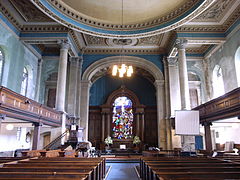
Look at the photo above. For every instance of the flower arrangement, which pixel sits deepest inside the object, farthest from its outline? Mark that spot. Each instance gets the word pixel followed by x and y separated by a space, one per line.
pixel 136 140
pixel 108 140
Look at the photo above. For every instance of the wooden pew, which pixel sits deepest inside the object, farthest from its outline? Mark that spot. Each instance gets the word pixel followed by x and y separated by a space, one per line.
pixel 97 165
pixel 171 168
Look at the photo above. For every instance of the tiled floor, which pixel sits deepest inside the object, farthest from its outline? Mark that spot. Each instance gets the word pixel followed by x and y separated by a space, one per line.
pixel 122 171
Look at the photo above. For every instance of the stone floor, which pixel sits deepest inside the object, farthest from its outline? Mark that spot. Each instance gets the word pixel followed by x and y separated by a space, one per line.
pixel 122 171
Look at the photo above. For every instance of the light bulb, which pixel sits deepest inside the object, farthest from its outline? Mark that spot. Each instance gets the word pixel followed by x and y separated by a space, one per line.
pixel 123 68
pixel 114 70
pixel 130 68
pixel 129 73
pixel 9 127
pixel 120 74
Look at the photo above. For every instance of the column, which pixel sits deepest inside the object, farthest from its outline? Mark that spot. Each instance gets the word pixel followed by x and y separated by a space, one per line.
pixel 38 80
pixel 2 117
pixel 159 84
pixel 62 77
pixel 84 107
pixel 143 126
pixel 109 124
pixel 208 138
pixel 36 136
pixel 175 99
pixel 137 125
pixel 73 82
pixel 188 142
pixel 103 126
pixel 78 96
pixel 183 76
pixel 167 105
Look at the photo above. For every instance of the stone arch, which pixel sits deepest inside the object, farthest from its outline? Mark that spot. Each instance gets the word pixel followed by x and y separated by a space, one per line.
pixel 99 65
pixel 110 61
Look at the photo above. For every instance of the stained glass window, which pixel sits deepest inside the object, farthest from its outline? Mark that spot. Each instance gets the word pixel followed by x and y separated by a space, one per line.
pixel 122 118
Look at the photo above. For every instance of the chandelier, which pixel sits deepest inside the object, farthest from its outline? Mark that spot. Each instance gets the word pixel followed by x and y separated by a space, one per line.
pixel 122 68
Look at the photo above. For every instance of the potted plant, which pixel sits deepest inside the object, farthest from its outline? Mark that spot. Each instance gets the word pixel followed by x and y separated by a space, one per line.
pixel 136 141
pixel 108 141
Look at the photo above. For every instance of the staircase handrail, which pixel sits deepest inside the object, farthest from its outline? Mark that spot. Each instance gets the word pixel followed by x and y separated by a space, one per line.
pixel 57 139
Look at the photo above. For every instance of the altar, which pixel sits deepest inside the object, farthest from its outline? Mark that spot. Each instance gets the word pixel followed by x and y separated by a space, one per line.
pixel 127 142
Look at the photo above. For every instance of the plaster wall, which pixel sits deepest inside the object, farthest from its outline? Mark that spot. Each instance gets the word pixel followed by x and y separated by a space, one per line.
pixel 16 57
pixel 224 57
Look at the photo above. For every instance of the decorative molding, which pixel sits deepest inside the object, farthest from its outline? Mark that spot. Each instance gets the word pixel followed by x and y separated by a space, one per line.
pixel 125 51
pixel 94 40
pixel 172 61
pixel 90 25
pixel 198 50
pixel 44 28
pixel 216 11
pixel 29 12
pixel 152 40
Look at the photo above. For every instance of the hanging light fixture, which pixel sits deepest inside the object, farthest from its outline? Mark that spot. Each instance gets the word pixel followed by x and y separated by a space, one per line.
pixel 122 68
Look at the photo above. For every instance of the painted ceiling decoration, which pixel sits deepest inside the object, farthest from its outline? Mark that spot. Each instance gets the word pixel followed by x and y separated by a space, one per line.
pixel 140 17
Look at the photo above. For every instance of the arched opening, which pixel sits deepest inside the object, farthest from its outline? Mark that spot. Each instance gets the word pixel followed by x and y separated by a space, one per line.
pixel 97 84
pixel 194 89
pixel 237 65
pixel 1 64
pixel 24 84
pixel 217 82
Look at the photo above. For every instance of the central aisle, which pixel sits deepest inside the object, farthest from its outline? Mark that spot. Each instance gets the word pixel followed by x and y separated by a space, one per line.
pixel 122 171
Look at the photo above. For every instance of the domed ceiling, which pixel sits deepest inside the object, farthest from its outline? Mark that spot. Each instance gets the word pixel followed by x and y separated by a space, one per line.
pixel 122 18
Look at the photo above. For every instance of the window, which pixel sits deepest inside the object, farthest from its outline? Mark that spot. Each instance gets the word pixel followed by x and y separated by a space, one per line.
pixel 24 82
pixel 237 65
pixel 122 118
pixel 218 85
pixel 1 64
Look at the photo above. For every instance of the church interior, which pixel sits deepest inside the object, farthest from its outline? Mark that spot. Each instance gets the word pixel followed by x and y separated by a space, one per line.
pixel 119 83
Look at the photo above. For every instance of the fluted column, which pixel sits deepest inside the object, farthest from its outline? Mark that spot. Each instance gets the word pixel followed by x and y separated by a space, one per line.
pixel 62 77
pixel 84 107
pixel 73 82
pixel 183 76
pixel 167 105
pixel 159 84
pixel 38 80
pixel 208 137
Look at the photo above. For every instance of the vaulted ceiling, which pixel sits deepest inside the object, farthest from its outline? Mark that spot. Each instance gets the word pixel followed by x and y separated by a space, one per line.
pixel 132 26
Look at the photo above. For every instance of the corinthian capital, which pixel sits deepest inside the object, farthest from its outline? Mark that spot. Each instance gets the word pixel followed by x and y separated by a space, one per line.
pixel 181 43
pixel 64 44
pixel 172 61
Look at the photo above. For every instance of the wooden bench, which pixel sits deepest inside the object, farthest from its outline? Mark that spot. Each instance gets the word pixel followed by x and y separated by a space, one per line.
pixel 85 168
pixel 176 168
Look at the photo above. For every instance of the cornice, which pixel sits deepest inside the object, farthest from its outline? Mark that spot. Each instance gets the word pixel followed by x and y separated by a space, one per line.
pixel 125 51
pixel 10 17
pixel 164 24
pixel 44 28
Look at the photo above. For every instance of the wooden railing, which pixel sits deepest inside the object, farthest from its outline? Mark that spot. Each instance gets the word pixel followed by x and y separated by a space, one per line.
pixel 223 107
pixel 17 106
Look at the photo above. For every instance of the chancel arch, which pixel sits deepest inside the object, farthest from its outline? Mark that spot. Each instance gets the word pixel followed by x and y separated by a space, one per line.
pixel 93 72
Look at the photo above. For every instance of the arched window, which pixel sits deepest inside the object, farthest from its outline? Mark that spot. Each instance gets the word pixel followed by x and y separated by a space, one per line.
pixel 1 65
pixel 218 85
pixel 122 118
pixel 237 65
pixel 24 82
